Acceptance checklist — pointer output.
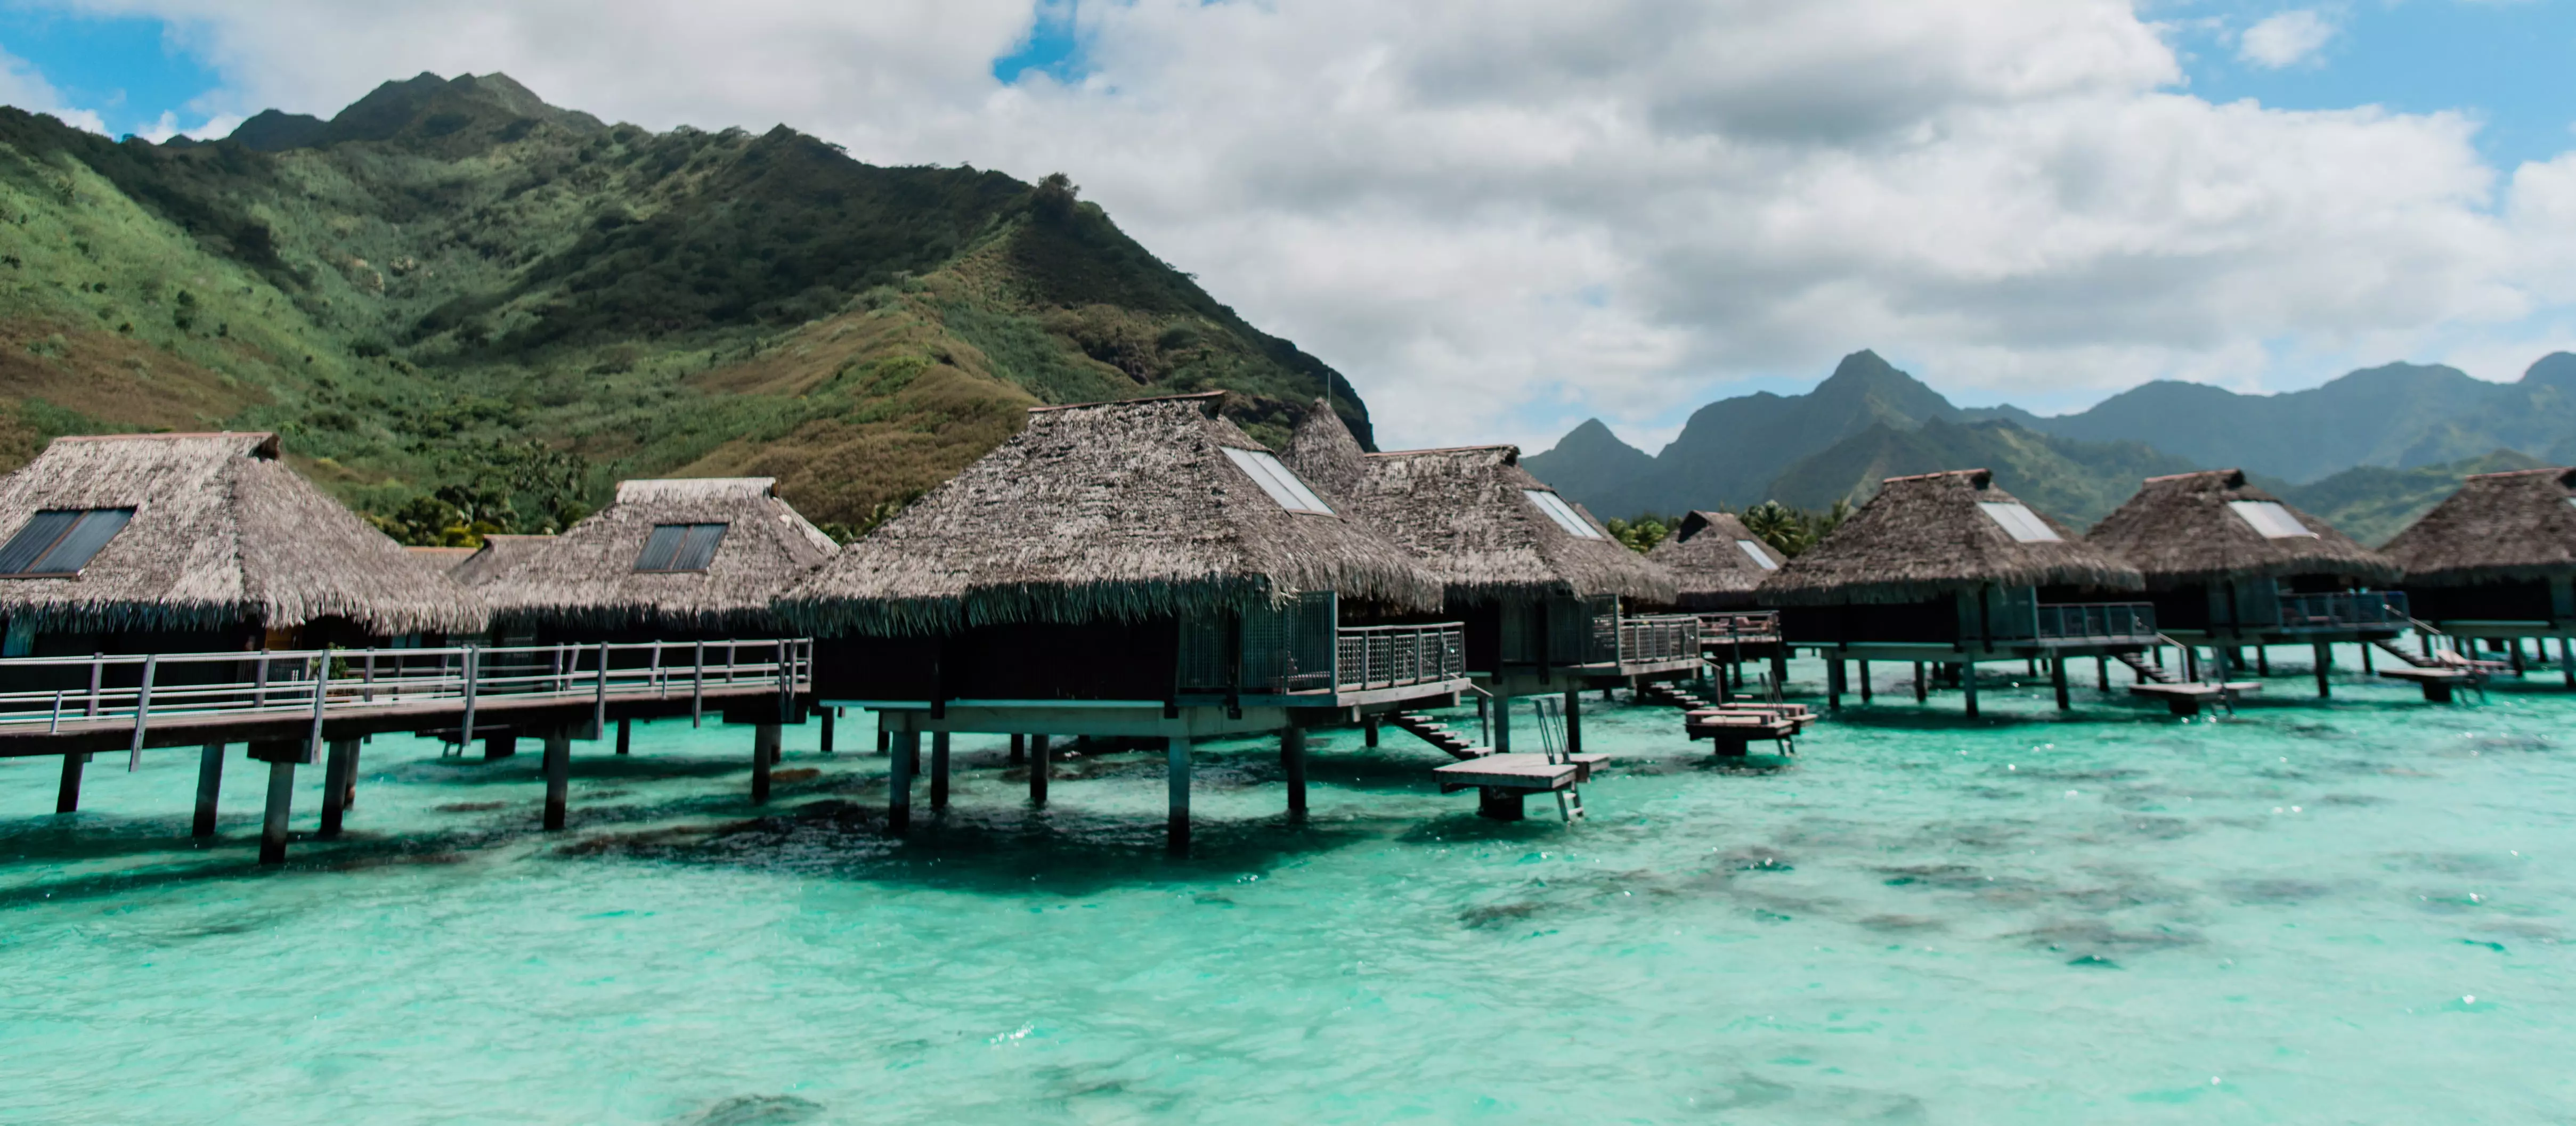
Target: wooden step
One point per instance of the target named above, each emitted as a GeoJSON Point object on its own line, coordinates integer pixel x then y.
{"type": "Point", "coordinates": [1518, 771]}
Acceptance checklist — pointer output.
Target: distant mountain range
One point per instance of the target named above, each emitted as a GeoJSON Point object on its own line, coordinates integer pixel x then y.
{"type": "Point", "coordinates": [2370, 450]}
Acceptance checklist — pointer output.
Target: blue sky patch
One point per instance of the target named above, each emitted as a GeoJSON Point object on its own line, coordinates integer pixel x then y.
{"type": "Point", "coordinates": [129, 69]}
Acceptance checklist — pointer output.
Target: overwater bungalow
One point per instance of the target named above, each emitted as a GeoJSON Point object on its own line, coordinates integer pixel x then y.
{"type": "Point", "coordinates": [680, 565]}
{"type": "Point", "coordinates": [2498, 561]}
{"type": "Point", "coordinates": [1947, 570]}
{"type": "Point", "coordinates": [2229, 565]}
{"type": "Point", "coordinates": [1125, 570]}
{"type": "Point", "coordinates": [1548, 597]}
{"type": "Point", "coordinates": [172, 544]}
{"type": "Point", "coordinates": [1718, 564]}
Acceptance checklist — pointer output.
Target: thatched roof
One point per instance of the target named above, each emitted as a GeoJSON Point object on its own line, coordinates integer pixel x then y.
{"type": "Point", "coordinates": [223, 534]}
{"type": "Point", "coordinates": [1707, 557]}
{"type": "Point", "coordinates": [1323, 452]}
{"type": "Point", "coordinates": [1467, 514]}
{"type": "Point", "coordinates": [443, 558]}
{"type": "Point", "coordinates": [1925, 536]}
{"type": "Point", "coordinates": [498, 554]}
{"type": "Point", "coordinates": [1126, 511]}
{"type": "Point", "coordinates": [587, 578]}
{"type": "Point", "coordinates": [2499, 527]}
{"type": "Point", "coordinates": [2181, 531]}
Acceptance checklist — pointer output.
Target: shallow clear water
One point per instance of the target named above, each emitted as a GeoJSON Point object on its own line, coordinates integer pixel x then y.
{"type": "Point", "coordinates": [2354, 911]}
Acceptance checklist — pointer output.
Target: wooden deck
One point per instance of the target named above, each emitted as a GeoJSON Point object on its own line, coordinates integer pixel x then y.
{"type": "Point", "coordinates": [2188, 698]}
{"type": "Point", "coordinates": [1733, 728]}
{"type": "Point", "coordinates": [1528, 773]}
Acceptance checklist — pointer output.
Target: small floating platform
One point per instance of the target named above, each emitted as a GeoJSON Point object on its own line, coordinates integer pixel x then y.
{"type": "Point", "coordinates": [1531, 773]}
{"type": "Point", "coordinates": [2188, 698]}
{"type": "Point", "coordinates": [1734, 727]}
{"type": "Point", "coordinates": [2436, 683]}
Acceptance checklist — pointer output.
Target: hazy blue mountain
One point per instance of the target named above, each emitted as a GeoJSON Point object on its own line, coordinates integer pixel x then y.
{"type": "Point", "coordinates": [1592, 465]}
{"type": "Point", "coordinates": [2400, 415]}
{"type": "Point", "coordinates": [2372, 503]}
{"type": "Point", "coordinates": [2076, 481]}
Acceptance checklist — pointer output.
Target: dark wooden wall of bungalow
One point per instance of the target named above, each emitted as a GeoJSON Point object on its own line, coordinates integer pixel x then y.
{"type": "Point", "coordinates": [2527, 600]}
{"type": "Point", "coordinates": [1032, 661]}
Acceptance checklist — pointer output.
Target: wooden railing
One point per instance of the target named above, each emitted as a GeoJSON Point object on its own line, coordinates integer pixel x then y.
{"type": "Point", "coordinates": [2367, 609]}
{"type": "Point", "coordinates": [1739, 627]}
{"type": "Point", "coordinates": [2097, 621]}
{"type": "Point", "coordinates": [1395, 656]}
{"type": "Point", "coordinates": [48, 692]}
{"type": "Point", "coordinates": [1654, 638]}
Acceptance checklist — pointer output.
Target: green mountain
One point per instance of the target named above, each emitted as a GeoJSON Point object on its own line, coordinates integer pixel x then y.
{"type": "Point", "coordinates": [2080, 482]}
{"type": "Point", "coordinates": [453, 287]}
{"type": "Point", "coordinates": [2372, 503]}
{"type": "Point", "coordinates": [1730, 451]}
{"type": "Point", "coordinates": [2400, 415]}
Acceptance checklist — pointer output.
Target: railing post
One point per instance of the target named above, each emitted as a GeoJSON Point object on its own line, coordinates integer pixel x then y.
{"type": "Point", "coordinates": [599, 697]}
{"type": "Point", "coordinates": [465, 734]}
{"type": "Point", "coordinates": [258, 683]}
{"type": "Point", "coordinates": [370, 694]}
{"type": "Point", "coordinates": [321, 697]}
{"type": "Point", "coordinates": [142, 710]}
{"type": "Point", "coordinates": [96, 666]}
{"type": "Point", "coordinates": [698, 690]}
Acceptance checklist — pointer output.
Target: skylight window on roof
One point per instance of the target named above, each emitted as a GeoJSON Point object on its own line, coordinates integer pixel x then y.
{"type": "Point", "coordinates": [680, 547]}
{"type": "Point", "coordinates": [2269, 518]}
{"type": "Point", "coordinates": [1564, 514]}
{"type": "Point", "coordinates": [59, 542]}
{"type": "Point", "coordinates": [2018, 521]}
{"type": "Point", "coordinates": [1760, 557]}
{"type": "Point", "coordinates": [1275, 479]}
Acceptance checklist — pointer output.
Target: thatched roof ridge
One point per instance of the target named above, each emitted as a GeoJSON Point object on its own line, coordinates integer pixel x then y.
{"type": "Point", "coordinates": [1706, 557]}
{"type": "Point", "coordinates": [443, 558]}
{"type": "Point", "coordinates": [586, 577]}
{"type": "Point", "coordinates": [2179, 531]}
{"type": "Point", "coordinates": [1125, 510]}
{"type": "Point", "coordinates": [1465, 512]}
{"type": "Point", "coordinates": [223, 534]}
{"type": "Point", "coordinates": [2499, 527]}
{"type": "Point", "coordinates": [498, 554]}
{"type": "Point", "coordinates": [1323, 452]}
{"type": "Point", "coordinates": [1924, 536]}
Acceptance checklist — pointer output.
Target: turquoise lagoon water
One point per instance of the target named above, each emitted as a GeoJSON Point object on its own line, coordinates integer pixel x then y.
{"type": "Point", "coordinates": [2345, 912]}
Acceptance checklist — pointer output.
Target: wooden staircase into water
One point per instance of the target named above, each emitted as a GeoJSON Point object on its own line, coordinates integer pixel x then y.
{"type": "Point", "coordinates": [1430, 730]}
{"type": "Point", "coordinates": [2148, 671]}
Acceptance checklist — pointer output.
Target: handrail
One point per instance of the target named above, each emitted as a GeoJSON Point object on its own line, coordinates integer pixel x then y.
{"type": "Point", "coordinates": [1659, 637]}
{"type": "Point", "coordinates": [277, 684]}
{"type": "Point", "coordinates": [1367, 657]}
{"type": "Point", "coordinates": [2108, 620]}
{"type": "Point", "coordinates": [2343, 609]}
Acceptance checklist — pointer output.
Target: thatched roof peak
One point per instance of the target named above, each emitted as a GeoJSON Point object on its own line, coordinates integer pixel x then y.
{"type": "Point", "coordinates": [222, 535]}
{"type": "Point", "coordinates": [1469, 513]}
{"type": "Point", "coordinates": [1933, 534]}
{"type": "Point", "coordinates": [1716, 560]}
{"type": "Point", "coordinates": [1323, 452]}
{"type": "Point", "coordinates": [1128, 511]}
{"type": "Point", "coordinates": [592, 578]}
{"type": "Point", "coordinates": [2499, 527]}
{"type": "Point", "coordinates": [2189, 529]}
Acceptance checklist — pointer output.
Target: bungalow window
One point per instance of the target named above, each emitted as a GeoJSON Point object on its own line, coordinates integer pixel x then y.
{"type": "Point", "coordinates": [58, 542]}
{"type": "Point", "coordinates": [2018, 521]}
{"type": "Point", "coordinates": [1564, 515]}
{"type": "Point", "coordinates": [2269, 518]}
{"type": "Point", "coordinates": [681, 547]}
{"type": "Point", "coordinates": [1760, 558]}
{"type": "Point", "coordinates": [1275, 479]}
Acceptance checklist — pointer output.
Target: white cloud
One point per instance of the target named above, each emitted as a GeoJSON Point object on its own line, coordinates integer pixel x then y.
{"type": "Point", "coordinates": [218, 125]}
{"type": "Point", "coordinates": [23, 87]}
{"type": "Point", "coordinates": [2286, 39]}
{"type": "Point", "coordinates": [1498, 216]}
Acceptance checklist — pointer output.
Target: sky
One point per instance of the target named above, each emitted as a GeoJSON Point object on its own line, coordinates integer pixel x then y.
{"type": "Point", "coordinates": [1500, 217]}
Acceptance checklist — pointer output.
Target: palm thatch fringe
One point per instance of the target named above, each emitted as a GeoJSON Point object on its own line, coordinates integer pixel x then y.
{"type": "Point", "coordinates": [2179, 531]}
{"type": "Point", "coordinates": [2500, 527]}
{"type": "Point", "coordinates": [1923, 537]}
{"type": "Point", "coordinates": [1709, 562]}
{"type": "Point", "coordinates": [223, 535]}
{"type": "Point", "coordinates": [586, 578]}
{"type": "Point", "coordinates": [498, 554]}
{"type": "Point", "coordinates": [1123, 511]}
{"type": "Point", "coordinates": [1468, 515]}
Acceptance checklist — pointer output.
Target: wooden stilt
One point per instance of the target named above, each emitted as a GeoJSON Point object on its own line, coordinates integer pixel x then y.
{"type": "Point", "coordinates": [335, 785]}
{"type": "Point", "coordinates": [829, 715]}
{"type": "Point", "coordinates": [899, 783]}
{"type": "Point", "coordinates": [2325, 663]}
{"type": "Point", "coordinates": [2366, 664]}
{"type": "Point", "coordinates": [1502, 724]}
{"type": "Point", "coordinates": [1780, 666]}
{"type": "Point", "coordinates": [2034, 665]}
{"type": "Point", "coordinates": [272, 825]}
{"type": "Point", "coordinates": [1921, 693]}
{"type": "Point", "coordinates": [1834, 685]}
{"type": "Point", "coordinates": [1292, 761]}
{"type": "Point", "coordinates": [2567, 660]}
{"type": "Point", "coordinates": [500, 745]}
{"type": "Point", "coordinates": [1177, 774]}
{"type": "Point", "coordinates": [1866, 688]}
{"type": "Point", "coordinates": [2262, 660]}
{"type": "Point", "coordinates": [67, 795]}
{"type": "Point", "coordinates": [2516, 643]}
{"type": "Point", "coordinates": [1019, 749]}
{"type": "Point", "coordinates": [1368, 731]}
{"type": "Point", "coordinates": [764, 752]}
{"type": "Point", "coordinates": [1040, 764]}
{"type": "Point", "coordinates": [2102, 672]}
{"type": "Point", "coordinates": [558, 777]}
{"type": "Point", "coordinates": [1574, 720]}
{"type": "Point", "coordinates": [2191, 664]}
{"type": "Point", "coordinates": [2057, 680]}
{"type": "Point", "coordinates": [1499, 804]}
{"type": "Point", "coordinates": [349, 778]}
{"type": "Point", "coordinates": [210, 788]}
{"type": "Point", "coordinates": [626, 735]}
{"type": "Point", "coordinates": [938, 771]}
{"type": "Point", "coordinates": [1968, 685]}
{"type": "Point", "coordinates": [885, 738]}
